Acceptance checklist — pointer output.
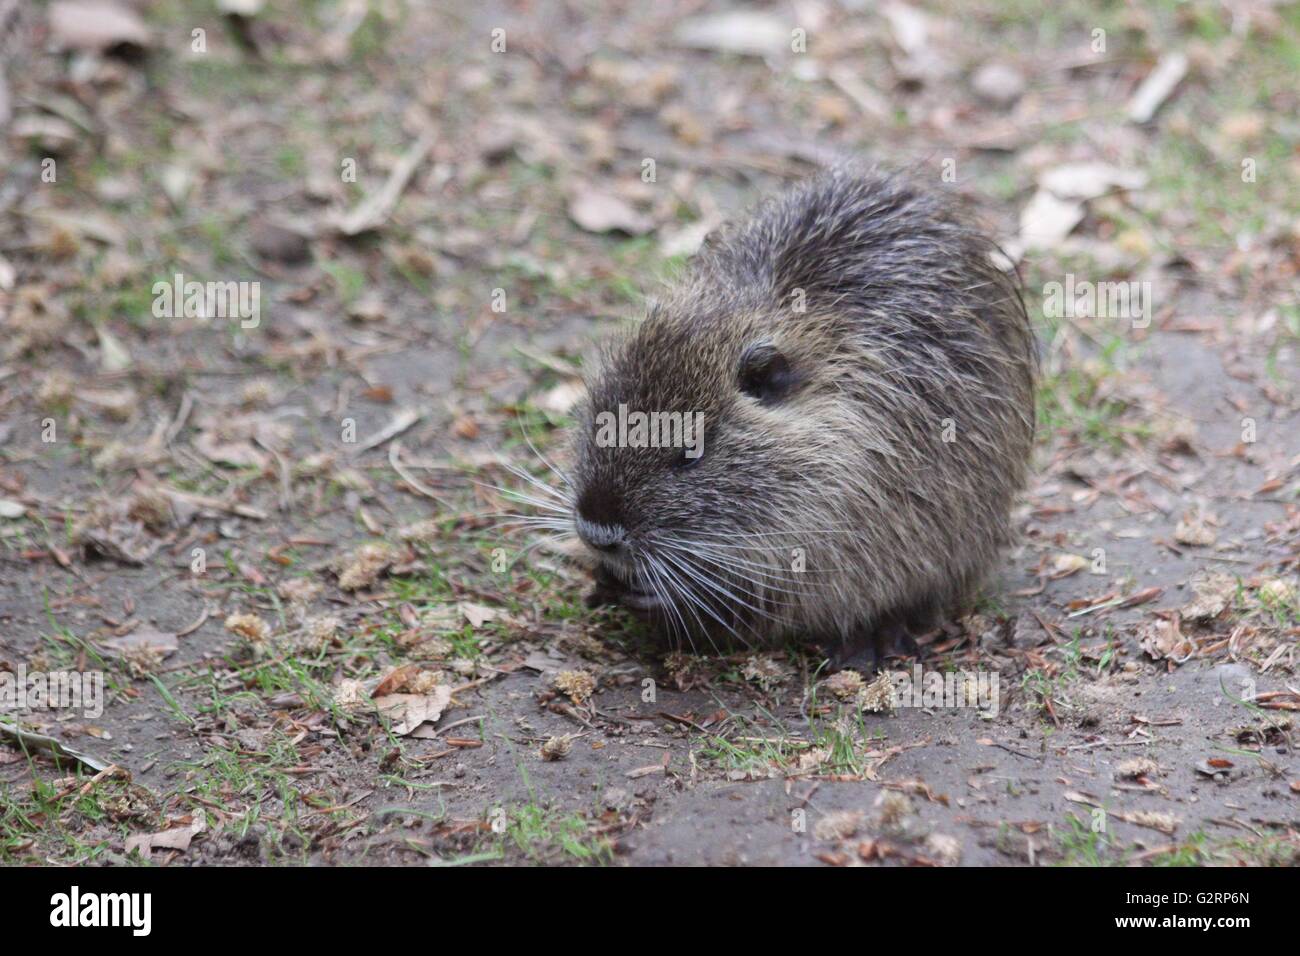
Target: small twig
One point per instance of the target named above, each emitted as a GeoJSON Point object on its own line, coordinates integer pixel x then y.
{"type": "Point", "coordinates": [459, 723]}
{"type": "Point", "coordinates": [26, 738]}
{"type": "Point", "coordinates": [402, 420]}
{"type": "Point", "coordinates": [394, 460]}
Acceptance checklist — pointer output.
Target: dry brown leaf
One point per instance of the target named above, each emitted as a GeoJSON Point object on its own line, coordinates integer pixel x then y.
{"type": "Point", "coordinates": [1068, 564]}
{"type": "Point", "coordinates": [560, 399]}
{"type": "Point", "coordinates": [478, 614]}
{"type": "Point", "coordinates": [95, 25]}
{"type": "Point", "coordinates": [409, 711]}
{"type": "Point", "coordinates": [1089, 180]}
{"type": "Point", "coordinates": [350, 696]}
{"type": "Point", "coordinates": [557, 748]}
{"type": "Point", "coordinates": [745, 32]}
{"type": "Point", "coordinates": [173, 838]}
{"type": "Point", "coordinates": [144, 637]}
{"type": "Point", "coordinates": [596, 210]}
{"type": "Point", "coordinates": [1195, 529]}
{"type": "Point", "coordinates": [1046, 220]}
{"type": "Point", "coordinates": [838, 825]}
{"type": "Point", "coordinates": [1215, 593]}
{"type": "Point", "coordinates": [1137, 767]}
{"type": "Point", "coordinates": [1164, 640]}
{"type": "Point", "coordinates": [578, 686]}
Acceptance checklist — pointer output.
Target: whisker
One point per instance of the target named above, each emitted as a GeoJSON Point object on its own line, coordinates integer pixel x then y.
{"type": "Point", "coordinates": [692, 602]}
{"type": "Point", "coordinates": [719, 589]}
{"type": "Point", "coordinates": [675, 621]}
{"type": "Point", "coordinates": [536, 482]}
{"type": "Point", "coordinates": [559, 474]}
{"type": "Point", "coordinates": [516, 495]}
{"type": "Point", "coordinates": [767, 572]}
{"type": "Point", "coordinates": [703, 604]}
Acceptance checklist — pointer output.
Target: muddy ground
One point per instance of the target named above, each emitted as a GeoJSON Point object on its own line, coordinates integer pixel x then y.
{"type": "Point", "coordinates": [255, 530]}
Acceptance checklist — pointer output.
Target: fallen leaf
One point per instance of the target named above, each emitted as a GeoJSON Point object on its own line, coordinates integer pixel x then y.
{"type": "Point", "coordinates": [1214, 767]}
{"type": "Point", "coordinates": [350, 696]}
{"type": "Point", "coordinates": [1164, 639]}
{"type": "Point", "coordinates": [1215, 593]}
{"type": "Point", "coordinates": [1089, 180]}
{"type": "Point", "coordinates": [402, 419]}
{"type": "Point", "coordinates": [173, 838]}
{"type": "Point", "coordinates": [113, 355]}
{"type": "Point", "coordinates": [1046, 221]}
{"type": "Point", "coordinates": [686, 240]}
{"type": "Point", "coordinates": [1166, 823]}
{"type": "Point", "coordinates": [144, 638]}
{"type": "Point", "coordinates": [1194, 529]}
{"type": "Point", "coordinates": [477, 614]}
{"type": "Point", "coordinates": [560, 399]}
{"type": "Point", "coordinates": [746, 32]}
{"type": "Point", "coordinates": [242, 8]}
{"type": "Point", "coordinates": [1067, 564]}
{"type": "Point", "coordinates": [1145, 596]}
{"type": "Point", "coordinates": [838, 825]}
{"type": "Point", "coordinates": [409, 711]}
{"type": "Point", "coordinates": [1137, 767]}
{"type": "Point", "coordinates": [598, 211]}
{"type": "Point", "coordinates": [29, 740]}
{"type": "Point", "coordinates": [395, 680]}
{"type": "Point", "coordinates": [95, 25]}
{"type": "Point", "coordinates": [1155, 89]}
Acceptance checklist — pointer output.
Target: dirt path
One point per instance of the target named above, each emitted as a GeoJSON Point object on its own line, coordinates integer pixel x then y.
{"type": "Point", "coordinates": [253, 529]}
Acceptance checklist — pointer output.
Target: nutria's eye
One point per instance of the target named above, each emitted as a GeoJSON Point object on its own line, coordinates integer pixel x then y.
{"type": "Point", "coordinates": [682, 461]}
{"type": "Point", "coordinates": [766, 374]}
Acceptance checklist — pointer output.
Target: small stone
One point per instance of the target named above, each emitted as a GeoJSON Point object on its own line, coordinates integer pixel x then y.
{"type": "Point", "coordinates": [278, 242]}
{"type": "Point", "coordinates": [945, 849]}
{"type": "Point", "coordinates": [557, 748]}
{"type": "Point", "coordinates": [998, 83]}
{"type": "Point", "coordinates": [837, 825]}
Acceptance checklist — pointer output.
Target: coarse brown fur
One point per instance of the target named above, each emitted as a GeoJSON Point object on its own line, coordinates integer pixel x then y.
{"type": "Point", "coordinates": [861, 453]}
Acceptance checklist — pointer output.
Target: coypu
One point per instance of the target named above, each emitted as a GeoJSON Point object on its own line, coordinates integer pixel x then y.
{"type": "Point", "coordinates": [864, 372]}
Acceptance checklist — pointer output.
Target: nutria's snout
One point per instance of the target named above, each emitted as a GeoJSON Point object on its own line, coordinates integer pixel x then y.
{"type": "Point", "coordinates": [820, 430]}
{"type": "Point", "coordinates": [597, 519]}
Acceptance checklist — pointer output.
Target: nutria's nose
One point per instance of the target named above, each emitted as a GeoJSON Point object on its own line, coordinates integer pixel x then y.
{"type": "Point", "coordinates": [599, 519]}
{"type": "Point", "coordinates": [602, 537]}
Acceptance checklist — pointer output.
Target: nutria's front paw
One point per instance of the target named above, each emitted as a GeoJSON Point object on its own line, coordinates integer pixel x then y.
{"type": "Point", "coordinates": [868, 653]}
{"type": "Point", "coordinates": [861, 656]}
{"type": "Point", "coordinates": [602, 595]}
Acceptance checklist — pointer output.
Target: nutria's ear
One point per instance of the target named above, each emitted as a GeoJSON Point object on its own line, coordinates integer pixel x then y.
{"type": "Point", "coordinates": [766, 374]}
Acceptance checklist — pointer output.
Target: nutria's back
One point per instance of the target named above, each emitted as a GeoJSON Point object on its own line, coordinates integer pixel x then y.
{"type": "Point", "coordinates": [863, 374]}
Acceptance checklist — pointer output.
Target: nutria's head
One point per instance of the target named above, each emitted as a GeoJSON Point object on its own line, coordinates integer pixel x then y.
{"type": "Point", "coordinates": [703, 458]}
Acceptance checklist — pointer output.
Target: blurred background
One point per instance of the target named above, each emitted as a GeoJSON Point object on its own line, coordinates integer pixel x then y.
{"type": "Point", "coordinates": [428, 212]}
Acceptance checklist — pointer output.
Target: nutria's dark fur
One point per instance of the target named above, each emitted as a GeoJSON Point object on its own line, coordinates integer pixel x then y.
{"type": "Point", "coordinates": [861, 453]}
